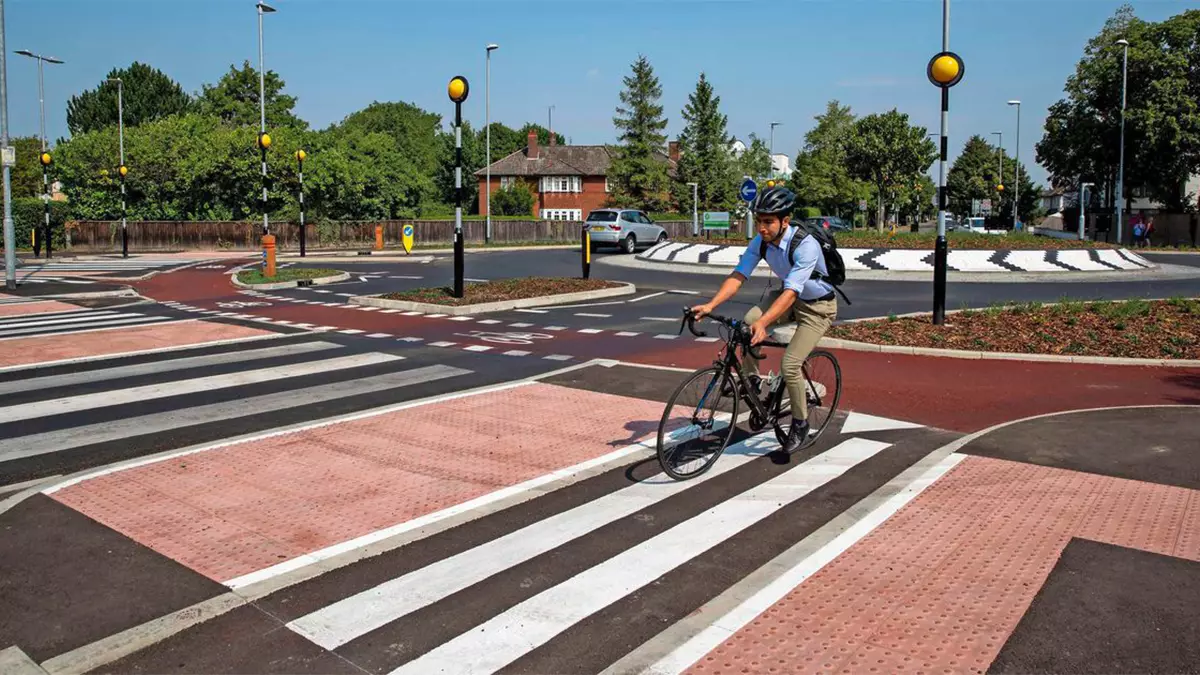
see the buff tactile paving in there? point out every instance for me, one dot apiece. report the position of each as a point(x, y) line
point(21, 351)
point(940, 586)
point(234, 510)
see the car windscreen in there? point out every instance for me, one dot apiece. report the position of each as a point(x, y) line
point(602, 217)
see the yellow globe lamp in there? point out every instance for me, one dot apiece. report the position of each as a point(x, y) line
point(46, 159)
point(124, 170)
point(300, 155)
point(945, 70)
point(264, 141)
point(1000, 188)
point(458, 89)
point(770, 183)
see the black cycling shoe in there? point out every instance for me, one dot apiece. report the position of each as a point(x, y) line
point(797, 436)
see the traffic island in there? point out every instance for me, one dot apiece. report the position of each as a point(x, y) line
point(1133, 332)
point(288, 277)
point(498, 296)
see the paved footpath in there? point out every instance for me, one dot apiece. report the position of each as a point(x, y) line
point(315, 499)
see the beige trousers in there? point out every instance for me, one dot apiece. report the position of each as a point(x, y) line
point(812, 320)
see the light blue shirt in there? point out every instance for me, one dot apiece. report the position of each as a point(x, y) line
point(798, 277)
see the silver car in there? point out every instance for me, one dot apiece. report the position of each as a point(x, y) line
point(627, 228)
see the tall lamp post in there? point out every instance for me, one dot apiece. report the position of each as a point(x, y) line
point(1000, 159)
point(771, 147)
point(45, 156)
point(458, 90)
point(487, 97)
point(945, 70)
point(10, 245)
point(122, 170)
point(264, 141)
point(1121, 163)
point(1017, 159)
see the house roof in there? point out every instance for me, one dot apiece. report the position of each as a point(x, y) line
point(558, 160)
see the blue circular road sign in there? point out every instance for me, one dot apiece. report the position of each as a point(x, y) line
point(408, 230)
point(749, 190)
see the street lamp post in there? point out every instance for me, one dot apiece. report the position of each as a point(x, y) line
point(771, 147)
point(122, 170)
point(1017, 158)
point(487, 97)
point(695, 210)
point(10, 244)
point(1121, 162)
point(945, 70)
point(1000, 159)
point(264, 139)
point(45, 156)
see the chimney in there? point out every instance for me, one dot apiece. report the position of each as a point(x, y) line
point(673, 150)
point(553, 138)
point(531, 152)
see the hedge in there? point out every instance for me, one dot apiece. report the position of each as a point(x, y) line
point(27, 214)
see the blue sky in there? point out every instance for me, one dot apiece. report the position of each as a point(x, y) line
point(778, 61)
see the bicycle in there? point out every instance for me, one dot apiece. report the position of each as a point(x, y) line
point(723, 385)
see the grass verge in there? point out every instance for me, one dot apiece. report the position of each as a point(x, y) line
point(500, 290)
point(1159, 329)
point(255, 276)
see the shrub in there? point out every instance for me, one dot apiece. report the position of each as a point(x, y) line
point(27, 214)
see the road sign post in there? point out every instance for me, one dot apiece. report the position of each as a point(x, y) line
point(748, 191)
point(406, 237)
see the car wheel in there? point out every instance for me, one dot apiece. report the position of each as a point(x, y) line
point(661, 238)
point(629, 244)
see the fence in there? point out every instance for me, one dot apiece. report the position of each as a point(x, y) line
point(1170, 229)
point(98, 236)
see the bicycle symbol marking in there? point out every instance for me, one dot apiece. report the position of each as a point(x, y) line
point(505, 338)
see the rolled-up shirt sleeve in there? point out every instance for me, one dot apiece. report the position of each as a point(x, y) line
point(750, 257)
point(807, 254)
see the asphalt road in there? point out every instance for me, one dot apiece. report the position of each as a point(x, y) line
point(868, 298)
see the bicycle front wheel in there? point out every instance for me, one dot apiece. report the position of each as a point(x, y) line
point(823, 389)
point(697, 423)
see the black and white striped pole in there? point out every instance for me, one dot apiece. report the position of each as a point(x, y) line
point(945, 70)
point(300, 155)
point(458, 90)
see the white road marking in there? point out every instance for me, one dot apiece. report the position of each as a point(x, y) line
point(477, 348)
point(594, 316)
point(516, 352)
point(647, 297)
point(626, 333)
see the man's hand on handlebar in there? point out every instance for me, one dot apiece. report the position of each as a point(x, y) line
point(701, 311)
point(758, 333)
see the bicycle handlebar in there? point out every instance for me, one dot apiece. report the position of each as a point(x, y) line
point(741, 334)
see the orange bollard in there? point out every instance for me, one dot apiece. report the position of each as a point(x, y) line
point(378, 237)
point(268, 242)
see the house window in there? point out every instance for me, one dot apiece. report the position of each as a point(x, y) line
point(562, 184)
point(606, 184)
point(507, 182)
point(562, 214)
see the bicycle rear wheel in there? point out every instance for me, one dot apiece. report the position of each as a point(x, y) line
point(697, 423)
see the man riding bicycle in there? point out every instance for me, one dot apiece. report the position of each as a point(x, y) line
point(806, 297)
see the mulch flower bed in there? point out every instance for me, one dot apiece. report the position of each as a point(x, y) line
point(503, 289)
point(256, 276)
point(956, 240)
point(1134, 329)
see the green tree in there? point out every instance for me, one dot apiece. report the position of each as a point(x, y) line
point(975, 175)
point(888, 152)
point(638, 176)
point(234, 99)
point(821, 177)
point(147, 94)
point(1162, 129)
point(704, 153)
point(27, 174)
point(755, 162)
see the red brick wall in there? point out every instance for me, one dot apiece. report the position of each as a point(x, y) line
point(592, 197)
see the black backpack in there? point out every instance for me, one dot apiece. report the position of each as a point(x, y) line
point(833, 259)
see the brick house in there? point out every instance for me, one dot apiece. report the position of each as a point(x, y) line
point(568, 181)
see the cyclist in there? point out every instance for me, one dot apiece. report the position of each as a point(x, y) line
point(805, 297)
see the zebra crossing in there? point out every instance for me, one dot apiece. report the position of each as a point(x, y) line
point(103, 264)
point(60, 419)
point(593, 573)
point(75, 321)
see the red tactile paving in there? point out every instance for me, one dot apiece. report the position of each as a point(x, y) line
point(29, 350)
point(42, 307)
point(242, 508)
point(941, 585)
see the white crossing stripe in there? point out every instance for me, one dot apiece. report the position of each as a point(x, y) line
point(102, 323)
point(357, 615)
point(477, 348)
point(519, 325)
point(534, 622)
point(121, 372)
point(27, 411)
point(626, 333)
point(379, 335)
point(442, 344)
point(516, 352)
point(73, 437)
point(594, 316)
point(664, 336)
point(32, 321)
point(591, 331)
point(558, 357)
